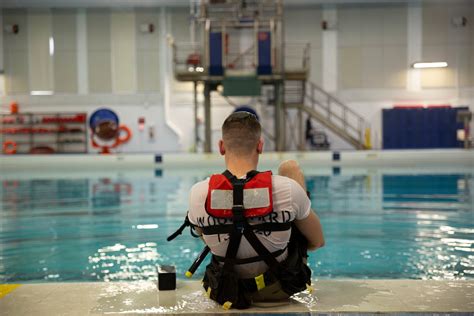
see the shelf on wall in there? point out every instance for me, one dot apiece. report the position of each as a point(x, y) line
point(46, 132)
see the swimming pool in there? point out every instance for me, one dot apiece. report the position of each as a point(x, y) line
point(379, 223)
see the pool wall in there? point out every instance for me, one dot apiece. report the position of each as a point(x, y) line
point(403, 158)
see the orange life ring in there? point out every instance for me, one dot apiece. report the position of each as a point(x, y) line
point(9, 147)
point(128, 134)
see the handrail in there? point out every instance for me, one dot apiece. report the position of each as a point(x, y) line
point(331, 97)
point(345, 119)
point(297, 51)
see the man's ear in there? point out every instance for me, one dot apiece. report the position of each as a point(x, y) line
point(221, 147)
point(260, 146)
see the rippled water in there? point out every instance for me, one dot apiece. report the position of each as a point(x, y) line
point(378, 223)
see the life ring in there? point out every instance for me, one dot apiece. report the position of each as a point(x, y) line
point(9, 147)
point(128, 134)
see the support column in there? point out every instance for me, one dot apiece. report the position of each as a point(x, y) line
point(301, 123)
point(196, 123)
point(330, 50)
point(2, 68)
point(82, 63)
point(414, 40)
point(280, 123)
point(207, 118)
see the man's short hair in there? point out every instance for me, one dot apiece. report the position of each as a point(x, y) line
point(241, 132)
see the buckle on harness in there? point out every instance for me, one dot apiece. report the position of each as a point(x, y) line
point(238, 218)
point(260, 282)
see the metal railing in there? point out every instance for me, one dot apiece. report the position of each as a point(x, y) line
point(192, 57)
point(336, 113)
point(188, 57)
point(296, 56)
point(241, 60)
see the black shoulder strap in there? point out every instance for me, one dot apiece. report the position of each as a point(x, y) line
point(232, 178)
point(228, 175)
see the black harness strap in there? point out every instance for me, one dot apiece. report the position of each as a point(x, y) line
point(182, 227)
point(238, 219)
point(266, 255)
point(231, 177)
point(232, 248)
point(242, 227)
point(251, 259)
point(227, 229)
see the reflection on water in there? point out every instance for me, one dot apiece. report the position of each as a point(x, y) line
point(118, 262)
point(377, 225)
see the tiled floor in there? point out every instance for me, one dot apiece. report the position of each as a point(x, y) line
point(342, 296)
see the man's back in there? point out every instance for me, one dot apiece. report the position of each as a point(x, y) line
point(289, 203)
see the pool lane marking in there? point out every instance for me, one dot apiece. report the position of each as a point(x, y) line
point(7, 288)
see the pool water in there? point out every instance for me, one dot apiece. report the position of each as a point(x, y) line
point(378, 224)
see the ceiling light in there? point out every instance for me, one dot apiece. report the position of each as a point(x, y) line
point(38, 92)
point(436, 64)
point(51, 46)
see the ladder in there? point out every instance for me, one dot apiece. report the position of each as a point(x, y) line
point(327, 110)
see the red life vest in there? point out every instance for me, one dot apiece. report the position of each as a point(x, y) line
point(258, 200)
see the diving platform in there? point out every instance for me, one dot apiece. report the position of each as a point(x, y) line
point(241, 49)
point(185, 75)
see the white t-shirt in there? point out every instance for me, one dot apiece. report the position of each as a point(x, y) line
point(290, 202)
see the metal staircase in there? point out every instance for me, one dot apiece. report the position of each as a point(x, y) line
point(327, 110)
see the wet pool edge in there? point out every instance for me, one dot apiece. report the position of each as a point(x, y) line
point(329, 297)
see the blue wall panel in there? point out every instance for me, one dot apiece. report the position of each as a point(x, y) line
point(215, 54)
point(264, 54)
point(420, 128)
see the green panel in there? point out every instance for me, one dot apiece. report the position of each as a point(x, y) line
point(241, 86)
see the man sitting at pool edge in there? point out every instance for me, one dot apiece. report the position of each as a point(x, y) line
point(258, 226)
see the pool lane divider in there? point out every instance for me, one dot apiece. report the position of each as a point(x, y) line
point(7, 288)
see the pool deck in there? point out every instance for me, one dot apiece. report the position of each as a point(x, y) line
point(329, 296)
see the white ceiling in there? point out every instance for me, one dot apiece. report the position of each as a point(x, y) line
point(173, 3)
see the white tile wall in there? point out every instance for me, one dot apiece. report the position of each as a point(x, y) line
point(40, 60)
point(308, 19)
point(148, 47)
point(372, 46)
point(16, 53)
point(65, 55)
point(99, 51)
point(124, 74)
point(442, 41)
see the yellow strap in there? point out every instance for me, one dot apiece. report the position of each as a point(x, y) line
point(260, 281)
point(227, 305)
point(208, 292)
point(7, 288)
point(309, 288)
